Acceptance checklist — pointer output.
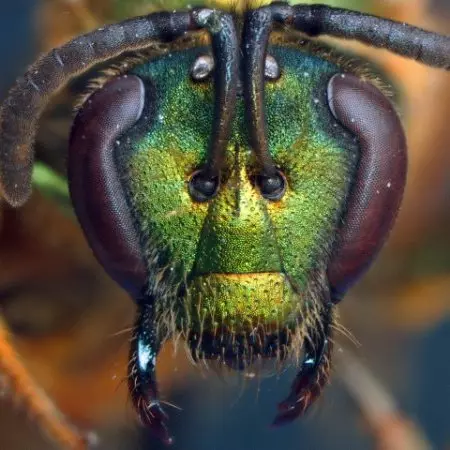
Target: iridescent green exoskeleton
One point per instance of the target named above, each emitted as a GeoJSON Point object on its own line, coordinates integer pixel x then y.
{"type": "Point", "coordinates": [235, 182]}
{"type": "Point", "coordinates": [244, 259]}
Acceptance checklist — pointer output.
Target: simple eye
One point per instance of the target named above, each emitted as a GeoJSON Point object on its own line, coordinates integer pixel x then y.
{"type": "Point", "coordinates": [272, 70]}
{"type": "Point", "coordinates": [272, 187]}
{"type": "Point", "coordinates": [202, 186]}
{"type": "Point", "coordinates": [202, 68]}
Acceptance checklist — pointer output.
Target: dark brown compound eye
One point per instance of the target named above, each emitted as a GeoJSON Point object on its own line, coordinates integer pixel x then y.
{"type": "Point", "coordinates": [96, 190]}
{"type": "Point", "coordinates": [379, 183]}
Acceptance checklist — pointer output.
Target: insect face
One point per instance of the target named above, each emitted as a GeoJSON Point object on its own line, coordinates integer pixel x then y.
{"type": "Point", "coordinates": [237, 259]}
{"type": "Point", "coordinates": [242, 258]}
{"type": "Point", "coordinates": [237, 189]}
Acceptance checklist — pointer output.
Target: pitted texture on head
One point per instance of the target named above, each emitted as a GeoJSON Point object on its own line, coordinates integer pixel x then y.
{"type": "Point", "coordinates": [238, 231]}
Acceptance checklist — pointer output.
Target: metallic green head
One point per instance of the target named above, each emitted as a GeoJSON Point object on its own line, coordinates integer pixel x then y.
{"type": "Point", "coordinates": [237, 259]}
{"type": "Point", "coordinates": [235, 196]}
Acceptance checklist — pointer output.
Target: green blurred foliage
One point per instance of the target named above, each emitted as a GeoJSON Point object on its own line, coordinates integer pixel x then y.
{"type": "Point", "coordinates": [52, 185]}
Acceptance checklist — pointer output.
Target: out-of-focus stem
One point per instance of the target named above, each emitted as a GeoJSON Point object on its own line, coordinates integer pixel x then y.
{"type": "Point", "coordinates": [391, 429]}
{"type": "Point", "coordinates": [16, 381]}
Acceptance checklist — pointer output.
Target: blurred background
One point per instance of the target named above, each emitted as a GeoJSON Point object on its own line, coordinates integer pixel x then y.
{"type": "Point", "coordinates": [71, 325]}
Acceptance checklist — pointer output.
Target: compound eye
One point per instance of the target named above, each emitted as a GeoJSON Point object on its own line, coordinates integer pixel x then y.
{"type": "Point", "coordinates": [378, 186]}
{"type": "Point", "coordinates": [203, 187]}
{"type": "Point", "coordinates": [272, 187]}
{"type": "Point", "coordinates": [96, 188]}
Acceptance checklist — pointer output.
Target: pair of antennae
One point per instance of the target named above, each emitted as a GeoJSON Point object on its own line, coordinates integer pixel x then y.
{"type": "Point", "coordinates": [31, 93]}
